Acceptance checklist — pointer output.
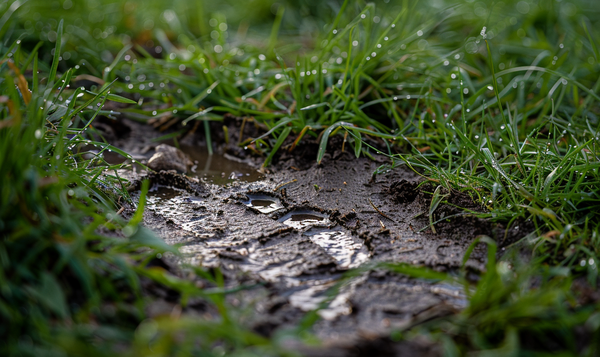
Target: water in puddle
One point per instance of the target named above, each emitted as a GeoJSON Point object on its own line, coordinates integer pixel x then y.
{"type": "Point", "coordinates": [304, 218]}
{"type": "Point", "coordinates": [263, 203]}
{"type": "Point", "coordinates": [341, 246]}
{"type": "Point", "coordinates": [218, 168]}
{"type": "Point", "coordinates": [158, 193]}
{"type": "Point", "coordinates": [171, 203]}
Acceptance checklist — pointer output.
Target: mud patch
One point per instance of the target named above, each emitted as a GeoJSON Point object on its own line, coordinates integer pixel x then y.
{"type": "Point", "coordinates": [296, 232]}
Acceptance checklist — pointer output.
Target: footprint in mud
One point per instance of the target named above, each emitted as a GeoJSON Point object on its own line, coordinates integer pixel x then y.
{"type": "Point", "coordinates": [263, 203]}
{"type": "Point", "coordinates": [300, 219]}
{"type": "Point", "coordinates": [341, 246]}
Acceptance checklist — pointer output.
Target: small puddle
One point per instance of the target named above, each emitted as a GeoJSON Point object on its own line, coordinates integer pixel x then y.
{"type": "Point", "coordinates": [218, 168]}
{"type": "Point", "coordinates": [158, 193]}
{"type": "Point", "coordinates": [263, 203]}
{"type": "Point", "coordinates": [341, 246]}
{"type": "Point", "coordinates": [172, 203]}
{"type": "Point", "coordinates": [304, 218]}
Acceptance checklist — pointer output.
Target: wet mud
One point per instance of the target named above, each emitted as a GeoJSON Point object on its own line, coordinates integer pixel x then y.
{"type": "Point", "coordinates": [298, 229]}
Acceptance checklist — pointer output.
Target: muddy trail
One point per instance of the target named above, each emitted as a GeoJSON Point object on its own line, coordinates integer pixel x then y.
{"type": "Point", "coordinates": [290, 235]}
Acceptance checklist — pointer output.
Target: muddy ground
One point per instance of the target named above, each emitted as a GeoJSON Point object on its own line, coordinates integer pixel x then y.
{"type": "Point", "coordinates": [293, 231]}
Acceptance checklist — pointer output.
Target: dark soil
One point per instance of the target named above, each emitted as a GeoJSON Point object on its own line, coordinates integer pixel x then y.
{"type": "Point", "coordinates": [326, 219]}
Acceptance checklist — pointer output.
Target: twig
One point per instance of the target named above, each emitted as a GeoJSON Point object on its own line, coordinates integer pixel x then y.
{"type": "Point", "coordinates": [378, 211]}
{"type": "Point", "coordinates": [283, 184]}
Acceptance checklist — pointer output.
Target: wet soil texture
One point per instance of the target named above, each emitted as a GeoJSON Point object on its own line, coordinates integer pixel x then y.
{"type": "Point", "coordinates": [296, 232]}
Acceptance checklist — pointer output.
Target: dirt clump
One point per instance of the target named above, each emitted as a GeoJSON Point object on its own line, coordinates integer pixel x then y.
{"type": "Point", "coordinates": [403, 191]}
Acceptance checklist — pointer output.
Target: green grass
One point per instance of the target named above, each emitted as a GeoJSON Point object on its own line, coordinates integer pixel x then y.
{"type": "Point", "coordinates": [499, 100]}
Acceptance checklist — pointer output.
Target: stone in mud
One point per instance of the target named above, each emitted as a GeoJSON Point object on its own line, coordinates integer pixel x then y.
{"type": "Point", "coordinates": [169, 158]}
